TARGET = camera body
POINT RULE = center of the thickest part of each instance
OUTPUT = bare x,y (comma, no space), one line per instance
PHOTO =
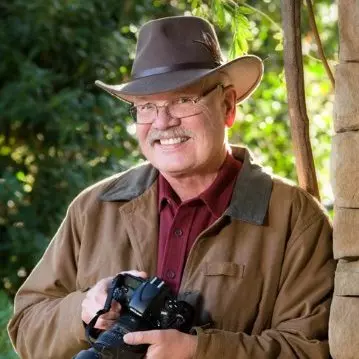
146,304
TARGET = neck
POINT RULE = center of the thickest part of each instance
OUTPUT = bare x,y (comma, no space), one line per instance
190,186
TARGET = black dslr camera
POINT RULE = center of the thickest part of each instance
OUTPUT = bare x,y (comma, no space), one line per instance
145,305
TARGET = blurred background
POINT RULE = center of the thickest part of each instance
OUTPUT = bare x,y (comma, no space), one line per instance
59,133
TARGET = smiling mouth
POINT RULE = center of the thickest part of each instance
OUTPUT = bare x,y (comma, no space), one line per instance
171,141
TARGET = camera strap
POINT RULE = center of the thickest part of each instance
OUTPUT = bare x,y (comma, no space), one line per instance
90,330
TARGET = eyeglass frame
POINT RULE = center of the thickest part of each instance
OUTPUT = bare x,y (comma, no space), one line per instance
195,100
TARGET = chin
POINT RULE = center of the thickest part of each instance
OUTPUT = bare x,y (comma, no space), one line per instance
173,169
171,163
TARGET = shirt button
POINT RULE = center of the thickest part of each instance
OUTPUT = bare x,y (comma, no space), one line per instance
178,232
170,274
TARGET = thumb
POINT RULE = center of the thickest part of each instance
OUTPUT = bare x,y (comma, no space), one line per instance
146,337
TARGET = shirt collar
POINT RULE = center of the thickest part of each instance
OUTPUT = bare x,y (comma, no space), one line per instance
220,187
166,194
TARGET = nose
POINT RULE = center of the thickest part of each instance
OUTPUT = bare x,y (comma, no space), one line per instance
164,120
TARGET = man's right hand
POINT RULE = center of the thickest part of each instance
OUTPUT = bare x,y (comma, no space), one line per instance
95,300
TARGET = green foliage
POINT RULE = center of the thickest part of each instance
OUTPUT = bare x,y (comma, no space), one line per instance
224,13
6,350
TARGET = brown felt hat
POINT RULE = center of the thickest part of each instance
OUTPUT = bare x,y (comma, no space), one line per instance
175,52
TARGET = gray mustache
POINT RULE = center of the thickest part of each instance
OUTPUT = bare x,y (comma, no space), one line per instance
156,135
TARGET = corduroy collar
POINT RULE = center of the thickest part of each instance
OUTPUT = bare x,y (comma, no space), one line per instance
250,198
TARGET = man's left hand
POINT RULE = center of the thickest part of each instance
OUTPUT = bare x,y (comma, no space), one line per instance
164,344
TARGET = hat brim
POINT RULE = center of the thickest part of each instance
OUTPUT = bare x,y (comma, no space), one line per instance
245,73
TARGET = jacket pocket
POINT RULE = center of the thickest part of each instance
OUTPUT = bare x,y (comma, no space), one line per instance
224,268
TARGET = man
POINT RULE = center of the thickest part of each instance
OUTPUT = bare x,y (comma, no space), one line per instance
200,214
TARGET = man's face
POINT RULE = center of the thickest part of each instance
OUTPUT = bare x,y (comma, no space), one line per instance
192,145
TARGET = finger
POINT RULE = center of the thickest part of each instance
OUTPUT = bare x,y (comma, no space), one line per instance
104,324
110,316
115,306
146,337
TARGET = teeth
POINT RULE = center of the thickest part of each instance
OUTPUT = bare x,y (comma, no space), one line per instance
172,141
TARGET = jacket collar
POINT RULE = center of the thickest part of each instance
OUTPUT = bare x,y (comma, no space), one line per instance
250,198
252,190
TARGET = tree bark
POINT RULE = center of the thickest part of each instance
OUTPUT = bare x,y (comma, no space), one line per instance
293,66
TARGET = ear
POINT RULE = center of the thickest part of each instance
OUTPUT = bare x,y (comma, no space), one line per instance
230,105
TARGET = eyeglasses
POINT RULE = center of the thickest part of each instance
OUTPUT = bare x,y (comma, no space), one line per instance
178,108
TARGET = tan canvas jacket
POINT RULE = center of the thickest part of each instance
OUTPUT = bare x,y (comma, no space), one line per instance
264,269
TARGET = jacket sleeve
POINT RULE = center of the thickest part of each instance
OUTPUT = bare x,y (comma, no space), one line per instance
299,323
47,320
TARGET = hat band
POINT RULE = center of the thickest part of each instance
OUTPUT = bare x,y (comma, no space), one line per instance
175,67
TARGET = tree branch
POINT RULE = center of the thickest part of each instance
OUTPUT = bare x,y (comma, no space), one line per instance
293,66
264,15
314,27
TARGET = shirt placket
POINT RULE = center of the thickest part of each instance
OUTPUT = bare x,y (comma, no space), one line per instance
177,244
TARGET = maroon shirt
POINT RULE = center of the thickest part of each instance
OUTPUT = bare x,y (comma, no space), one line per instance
182,222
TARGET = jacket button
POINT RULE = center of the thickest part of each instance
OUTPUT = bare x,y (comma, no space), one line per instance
170,274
